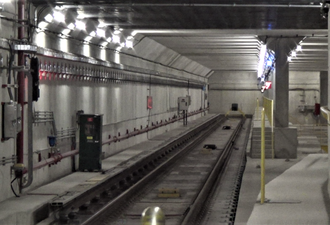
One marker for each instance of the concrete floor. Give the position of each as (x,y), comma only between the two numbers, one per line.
(296,189)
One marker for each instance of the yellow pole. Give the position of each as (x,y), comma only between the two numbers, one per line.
(257,108)
(272,112)
(262,191)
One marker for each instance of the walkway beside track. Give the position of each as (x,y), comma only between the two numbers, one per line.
(296,189)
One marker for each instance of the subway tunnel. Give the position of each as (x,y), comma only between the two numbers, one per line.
(132,73)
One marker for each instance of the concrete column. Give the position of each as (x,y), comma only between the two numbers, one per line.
(323,92)
(324,88)
(328,104)
(282,48)
(285,138)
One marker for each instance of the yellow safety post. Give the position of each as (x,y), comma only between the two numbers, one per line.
(262,191)
(257,108)
(272,124)
(268,105)
(153,216)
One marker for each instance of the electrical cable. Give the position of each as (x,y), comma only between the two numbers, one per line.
(10,63)
(11,185)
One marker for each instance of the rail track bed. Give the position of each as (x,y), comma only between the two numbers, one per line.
(182,190)
(180,177)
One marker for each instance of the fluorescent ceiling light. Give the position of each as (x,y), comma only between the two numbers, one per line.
(59,17)
(81,16)
(109,39)
(93,34)
(116,32)
(66,31)
(88,38)
(80,25)
(129,43)
(100,32)
(42,25)
(299,48)
(293,54)
(49,18)
(116,39)
(71,26)
(105,43)
(289,58)
(101,25)
(59,7)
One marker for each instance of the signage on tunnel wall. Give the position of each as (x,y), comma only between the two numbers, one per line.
(268,85)
(149,102)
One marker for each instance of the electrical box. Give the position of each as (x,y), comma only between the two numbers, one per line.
(90,142)
(11,119)
(183,103)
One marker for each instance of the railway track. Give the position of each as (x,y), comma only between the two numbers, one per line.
(189,174)
(118,184)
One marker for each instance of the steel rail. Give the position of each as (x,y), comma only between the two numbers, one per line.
(139,168)
(149,177)
(197,206)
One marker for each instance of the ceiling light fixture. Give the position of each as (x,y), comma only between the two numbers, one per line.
(80,25)
(59,17)
(105,43)
(93,34)
(42,25)
(88,38)
(49,18)
(66,32)
(299,48)
(129,42)
(100,32)
(115,39)
(71,26)
(116,32)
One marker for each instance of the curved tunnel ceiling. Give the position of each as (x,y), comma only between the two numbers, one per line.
(220,35)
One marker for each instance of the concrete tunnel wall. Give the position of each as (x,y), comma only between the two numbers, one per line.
(123,104)
(240,87)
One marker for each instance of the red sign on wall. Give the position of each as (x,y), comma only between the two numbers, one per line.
(149,102)
(268,85)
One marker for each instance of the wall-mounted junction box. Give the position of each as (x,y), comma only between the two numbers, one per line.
(183,103)
(11,119)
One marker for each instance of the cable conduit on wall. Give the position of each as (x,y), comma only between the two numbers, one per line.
(199,5)
(154,126)
(142,117)
(59,156)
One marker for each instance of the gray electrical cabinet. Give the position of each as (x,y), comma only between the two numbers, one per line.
(90,142)
(12,119)
(183,103)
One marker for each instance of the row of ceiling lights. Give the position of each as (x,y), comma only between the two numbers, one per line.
(99,32)
(293,53)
